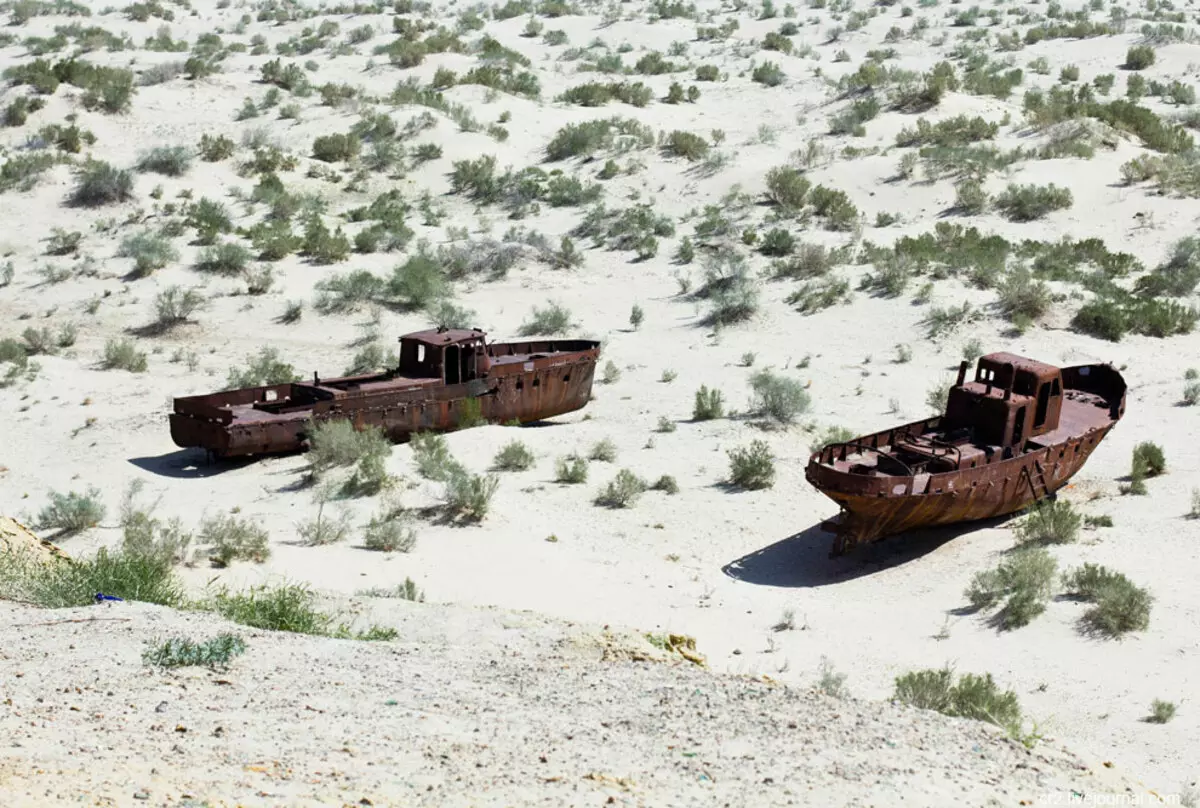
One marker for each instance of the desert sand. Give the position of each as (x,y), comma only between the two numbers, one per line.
(721,566)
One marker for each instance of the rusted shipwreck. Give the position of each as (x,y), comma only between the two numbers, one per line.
(1013,435)
(443,377)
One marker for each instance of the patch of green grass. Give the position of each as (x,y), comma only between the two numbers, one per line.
(178,652)
(287,607)
(129,576)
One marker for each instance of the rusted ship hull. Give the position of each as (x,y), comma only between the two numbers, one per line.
(964,496)
(982,481)
(523,382)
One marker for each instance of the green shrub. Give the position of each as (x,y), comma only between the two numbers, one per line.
(1160,712)
(288,607)
(229,258)
(514,456)
(1050,521)
(686,144)
(122,354)
(622,491)
(179,652)
(390,531)
(709,404)
(1139,57)
(172,161)
(788,188)
(1119,606)
(571,470)
(215,148)
(322,530)
(603,451)
(969,197)
(1022,582)
(262,369)
(232,538)
(98,183)
(974,697)
(72,512)
(209,218)
(777,397)
(1148,460)
(552,320)
(337,443)
(468,497)
(708,73)
(432,455)
(149,251)
(1025,203)
(336,148)
(768,74)
(752,467)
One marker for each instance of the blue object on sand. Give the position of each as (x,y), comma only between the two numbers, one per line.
(101,597)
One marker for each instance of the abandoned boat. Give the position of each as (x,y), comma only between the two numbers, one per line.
(443,377)
(1013,435)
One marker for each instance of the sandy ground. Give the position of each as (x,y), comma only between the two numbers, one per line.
(717,565)
(429,720)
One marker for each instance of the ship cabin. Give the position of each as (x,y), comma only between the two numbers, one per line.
(454,355)
(1010,401)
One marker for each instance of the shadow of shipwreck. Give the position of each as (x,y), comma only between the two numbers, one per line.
(188,464)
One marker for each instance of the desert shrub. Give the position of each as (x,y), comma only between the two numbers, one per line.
(1025,203)
(390,531)
(1022,582)
(1148,460)
(262,369)
(1119,606)
(233,538)
(1050,521)
(1160,712)
(709,404)
(172,161)
(588,137)
(215,148)
(975,697)
(468,497)
(129,576)
(179,652)
(708,73)
(730,288)
(322,530)
(1139,57)
(752,467)
(337,444)
(72,513)
(229,258)
(1021,296)
(622,491)
(686,144)
(99,183)
(122,354)
(514,456)
(768,74)
(418,283)
(209,218)
(604,451)
(788,188)
(777,397)
(336,147)
(149,251)
(667,484)
(571,469)
(969,197)
(432,455)
(552,320)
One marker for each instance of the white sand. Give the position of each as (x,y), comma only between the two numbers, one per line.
(717,565)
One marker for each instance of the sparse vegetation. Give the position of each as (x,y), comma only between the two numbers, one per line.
(972,696)
(752,467)
(230,538)
(179,652)
(1050,521)
(1119,606)
(778,397)
(1020,585)
(513,456)
(72,512)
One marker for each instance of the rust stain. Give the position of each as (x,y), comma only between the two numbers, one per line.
(443,377)
(1013,435)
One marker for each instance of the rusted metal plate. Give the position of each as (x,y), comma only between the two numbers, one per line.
(1015,434)
(443,377)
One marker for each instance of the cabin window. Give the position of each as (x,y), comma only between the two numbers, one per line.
(270,395)
(1043,405)
(420,353)
(566,378)
(451,363)
(1019,426)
